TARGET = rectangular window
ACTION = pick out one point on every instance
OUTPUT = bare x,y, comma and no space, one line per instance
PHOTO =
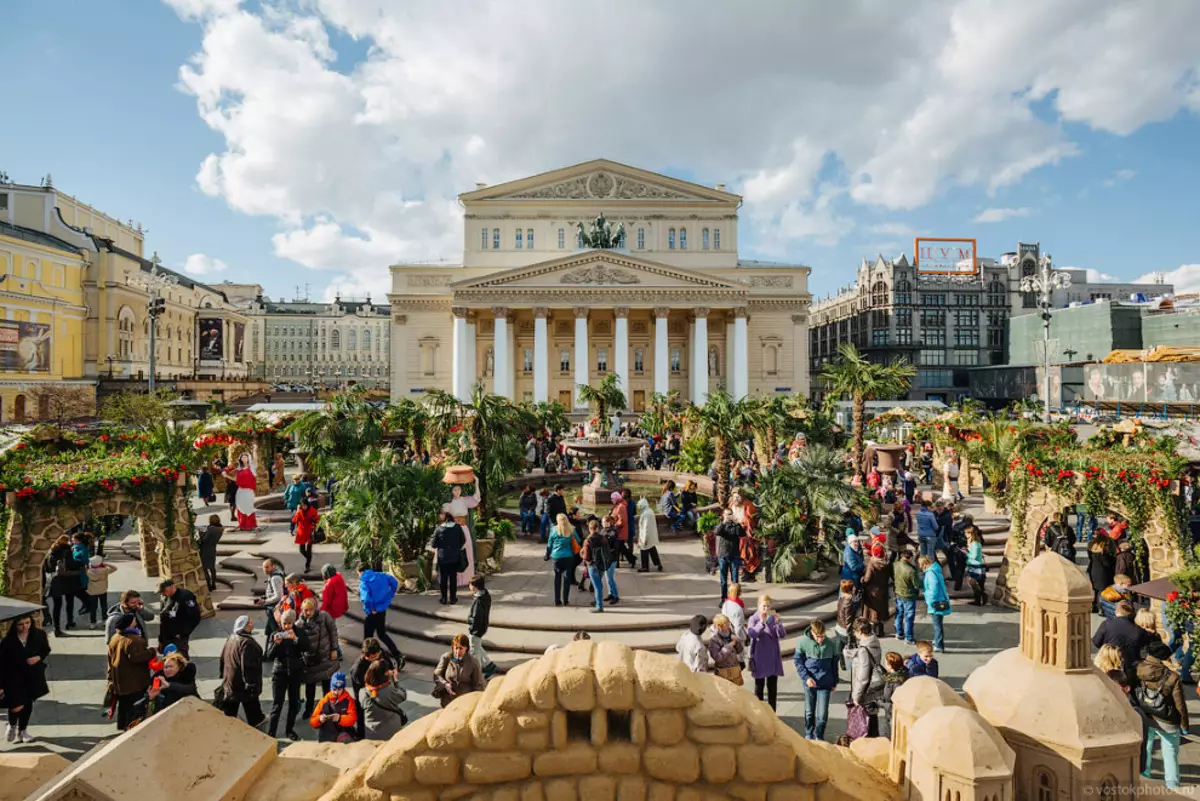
529,239
904,336
933,318
495,238
936,358
519,236
602,360
995,337
933,337
879,336
564,360
880,319
641,239
716,239
676,360
527,360
966,337
966,318
966,358
483,239
935,378
904,317
903,298
639,356
562,239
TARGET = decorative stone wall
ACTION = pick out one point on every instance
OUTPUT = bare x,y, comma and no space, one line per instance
597,720
1161,542
177,558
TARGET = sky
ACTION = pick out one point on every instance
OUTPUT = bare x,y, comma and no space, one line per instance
308,144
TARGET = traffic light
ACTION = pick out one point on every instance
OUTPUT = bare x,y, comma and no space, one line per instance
156,306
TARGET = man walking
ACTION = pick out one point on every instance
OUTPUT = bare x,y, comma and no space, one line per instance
477,624
180,616
908,589
240,670
376,590
274,594
927,530
816,661
729,543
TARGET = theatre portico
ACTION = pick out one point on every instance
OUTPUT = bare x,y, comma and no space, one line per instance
534,309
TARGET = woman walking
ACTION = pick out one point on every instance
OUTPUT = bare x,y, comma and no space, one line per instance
457,673
976,568
558,549
23,653
875,584
647,536
766,631
528,506
210,538
306,518
937,600
286,648
128,667
320,653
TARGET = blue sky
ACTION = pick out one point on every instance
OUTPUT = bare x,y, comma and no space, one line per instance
317,141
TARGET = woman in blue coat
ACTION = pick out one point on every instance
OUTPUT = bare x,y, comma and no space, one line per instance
937,600
852,559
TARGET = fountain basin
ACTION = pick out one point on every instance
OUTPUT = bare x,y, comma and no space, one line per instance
604,454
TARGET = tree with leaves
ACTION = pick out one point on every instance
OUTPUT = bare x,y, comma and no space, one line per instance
661,416
999,442
608,395
58,403
138,409
854,376
722,420
337,434
413,419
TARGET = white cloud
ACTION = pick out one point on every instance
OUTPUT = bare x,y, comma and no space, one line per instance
199,264
809,110
1120,176
894,229
1097,277
1000,215
1185,278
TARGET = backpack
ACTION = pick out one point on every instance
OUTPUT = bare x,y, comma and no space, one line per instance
1157,703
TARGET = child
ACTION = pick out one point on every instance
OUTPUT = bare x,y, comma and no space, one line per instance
1115,593
336,715
477,624
923,663
894,674
97,589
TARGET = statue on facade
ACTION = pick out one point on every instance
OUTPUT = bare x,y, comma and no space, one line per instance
602,236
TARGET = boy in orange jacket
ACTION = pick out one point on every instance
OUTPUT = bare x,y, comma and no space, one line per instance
336,715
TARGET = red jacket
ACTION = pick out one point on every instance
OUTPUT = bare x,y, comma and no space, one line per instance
333,597
306,523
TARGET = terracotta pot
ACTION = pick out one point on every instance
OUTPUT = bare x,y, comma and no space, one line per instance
889,458
459,474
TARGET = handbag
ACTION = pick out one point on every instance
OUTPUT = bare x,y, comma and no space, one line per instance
941,606
858,721
733,673
219,696
463,563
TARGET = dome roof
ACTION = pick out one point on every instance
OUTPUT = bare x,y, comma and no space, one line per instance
1050,577
920,694
1077,710
960,742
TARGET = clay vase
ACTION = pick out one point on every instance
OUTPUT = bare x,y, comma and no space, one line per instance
459,474
889,458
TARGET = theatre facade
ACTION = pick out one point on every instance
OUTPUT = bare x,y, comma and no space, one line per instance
548,297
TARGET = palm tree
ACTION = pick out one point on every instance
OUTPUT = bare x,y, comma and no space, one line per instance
853,376
487,432
608,395
662,413
722,420
548,416
339,432
413,419
999,441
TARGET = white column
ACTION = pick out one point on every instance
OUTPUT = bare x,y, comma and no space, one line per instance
460,384
501,366
700,357
739,357
398,357
472,367
727,373
800,365
662,365
513,357
581,353
541,358
621,352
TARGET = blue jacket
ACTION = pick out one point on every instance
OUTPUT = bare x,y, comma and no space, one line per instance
376,590
935,588
927,524
818,661
852,564
558,546
918,668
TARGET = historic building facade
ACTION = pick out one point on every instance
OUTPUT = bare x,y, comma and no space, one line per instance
534,310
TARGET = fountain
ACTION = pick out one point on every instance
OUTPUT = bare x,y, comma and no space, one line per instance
604,453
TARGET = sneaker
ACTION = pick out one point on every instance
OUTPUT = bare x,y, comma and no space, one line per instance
11,733
94,625
608,599
597,609
490,670
614,601
295,738
25,736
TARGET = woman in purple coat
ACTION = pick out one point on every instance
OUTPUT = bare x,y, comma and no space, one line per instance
766,665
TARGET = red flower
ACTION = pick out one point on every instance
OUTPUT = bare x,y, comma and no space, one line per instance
144,454
104,438
1172,597
20,446
26,492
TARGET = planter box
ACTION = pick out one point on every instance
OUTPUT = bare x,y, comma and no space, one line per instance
409,570
803,568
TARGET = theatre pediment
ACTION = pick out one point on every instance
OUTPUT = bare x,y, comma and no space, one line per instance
598,268
600,179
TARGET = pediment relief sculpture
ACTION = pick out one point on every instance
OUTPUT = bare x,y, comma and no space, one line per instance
600,186
600,274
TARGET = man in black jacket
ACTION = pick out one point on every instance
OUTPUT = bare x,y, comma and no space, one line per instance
1127,636
477,624
556,504
179,617
449,541
729,547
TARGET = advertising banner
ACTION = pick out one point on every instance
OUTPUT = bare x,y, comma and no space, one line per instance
211,338
25,346
1141,382
945,256
239,341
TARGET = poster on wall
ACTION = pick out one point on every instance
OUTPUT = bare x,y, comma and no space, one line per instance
239,340
212,340
25,346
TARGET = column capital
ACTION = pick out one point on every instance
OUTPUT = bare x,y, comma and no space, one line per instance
500,311
741,312
701,311
460,312
581,312
661,312
541,312
621,312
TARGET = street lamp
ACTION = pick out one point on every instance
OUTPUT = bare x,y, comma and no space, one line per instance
154,282
1044,282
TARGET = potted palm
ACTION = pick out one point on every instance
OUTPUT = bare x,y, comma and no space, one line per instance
608,396
854,376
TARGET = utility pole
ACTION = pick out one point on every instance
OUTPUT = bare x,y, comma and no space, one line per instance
154,282
1044,283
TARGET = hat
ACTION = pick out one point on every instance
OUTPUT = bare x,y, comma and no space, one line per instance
1159,650
874,530
615,497
170,649
96,561
162,585
241,623
877,552
338,682
127,621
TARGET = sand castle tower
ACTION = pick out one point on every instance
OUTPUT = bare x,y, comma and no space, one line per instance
954,754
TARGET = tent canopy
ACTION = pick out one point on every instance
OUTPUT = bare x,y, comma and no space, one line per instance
12,607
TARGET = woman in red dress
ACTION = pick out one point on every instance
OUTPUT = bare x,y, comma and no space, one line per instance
243,475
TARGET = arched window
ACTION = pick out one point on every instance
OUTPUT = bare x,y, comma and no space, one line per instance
641,239
1045,785
366,340
562,239
671,239
483,238
683,239
879,294
716,239
519,236
704,239
495,239
335,340
529,239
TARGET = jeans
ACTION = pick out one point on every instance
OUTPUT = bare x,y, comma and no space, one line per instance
1170,754
612,582
927,546
20,720
906,613
771,684
99,605
210,572
375,625
728,567
1183,654
563,568
939,634
597,577
448,580
544,535
816,712
481,656
528,522
677,519
271,626
283,687
1084,528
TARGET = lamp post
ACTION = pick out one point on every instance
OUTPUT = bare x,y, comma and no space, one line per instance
1044,282
154,281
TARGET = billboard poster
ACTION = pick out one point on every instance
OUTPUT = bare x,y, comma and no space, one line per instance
25,346
211,338
239,341
1142,382
945,256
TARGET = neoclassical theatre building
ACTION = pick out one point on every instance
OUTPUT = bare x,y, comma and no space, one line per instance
542,303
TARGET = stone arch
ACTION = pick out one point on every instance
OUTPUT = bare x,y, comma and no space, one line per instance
1162,545
31,530
599,720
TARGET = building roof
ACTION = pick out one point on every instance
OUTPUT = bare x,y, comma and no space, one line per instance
1161,353
1050,577
920,694
755,263
960,742
38,238
149,266
310,307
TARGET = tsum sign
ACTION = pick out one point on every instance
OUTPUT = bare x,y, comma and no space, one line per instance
945,256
